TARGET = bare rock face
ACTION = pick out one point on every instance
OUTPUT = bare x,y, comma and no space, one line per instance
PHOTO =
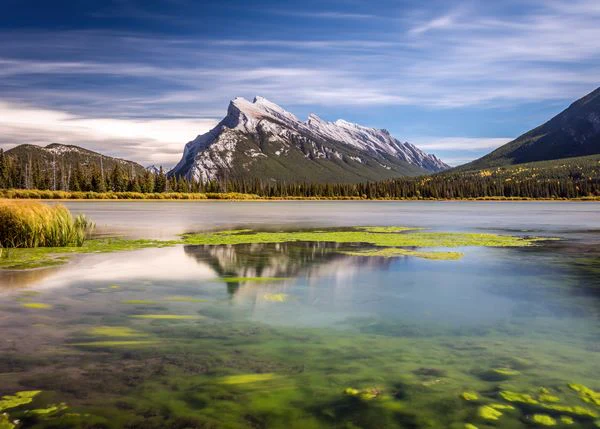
261,140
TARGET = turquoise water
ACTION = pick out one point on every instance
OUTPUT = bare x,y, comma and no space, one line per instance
300,335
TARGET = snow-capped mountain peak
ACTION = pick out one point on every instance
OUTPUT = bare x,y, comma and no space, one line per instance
259,132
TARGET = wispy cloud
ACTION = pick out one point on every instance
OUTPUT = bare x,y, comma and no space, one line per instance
472,55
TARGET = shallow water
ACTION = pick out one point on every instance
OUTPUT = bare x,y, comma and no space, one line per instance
187,337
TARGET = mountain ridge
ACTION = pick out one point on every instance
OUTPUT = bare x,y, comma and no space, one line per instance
573,132
262,140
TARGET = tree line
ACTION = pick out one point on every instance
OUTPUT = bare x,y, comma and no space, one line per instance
568,180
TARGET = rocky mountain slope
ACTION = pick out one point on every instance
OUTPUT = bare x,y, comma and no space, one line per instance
573,132
261,140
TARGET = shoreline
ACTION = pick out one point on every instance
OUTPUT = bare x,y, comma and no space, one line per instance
47,195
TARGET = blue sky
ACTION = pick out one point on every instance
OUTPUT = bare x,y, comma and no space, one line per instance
140,78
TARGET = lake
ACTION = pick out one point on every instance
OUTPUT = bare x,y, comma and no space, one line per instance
311,334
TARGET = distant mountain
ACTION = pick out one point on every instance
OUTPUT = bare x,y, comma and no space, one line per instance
573,132
261,140
66,156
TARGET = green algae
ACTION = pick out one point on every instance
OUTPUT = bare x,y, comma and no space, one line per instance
488,413
408,239
138,302
390,236
502,407
115,343
508,372
166,316
543,420
385,229
574,410
523,398
394,252
27,258
5,422
469,396
275,297
48,411
566,420
586,394
252,279
18,399
115,331
36,305
548,397
247,378
366,394
181,298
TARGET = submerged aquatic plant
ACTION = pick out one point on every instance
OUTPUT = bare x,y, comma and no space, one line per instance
36,305
523,398
586,394
470,396
409,239
252,279
117,343
247,378
488,413
275,297
394,252
365,394
166,316
543,419
115,331
18,399
33,224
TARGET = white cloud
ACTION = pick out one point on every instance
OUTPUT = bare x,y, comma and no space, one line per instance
147,141
461,143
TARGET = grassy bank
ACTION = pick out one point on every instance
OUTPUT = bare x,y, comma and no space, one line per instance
30,224
234,196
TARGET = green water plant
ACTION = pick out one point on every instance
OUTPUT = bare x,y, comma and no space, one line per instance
275,297
247,378
543,420
586,394
408,239
166,316
19,398
573,410
115,343
252,279
48,411
115,331
36,305
523,398
180,298
5,422
566,420
366,394
488,413
469,396
138,302
395,252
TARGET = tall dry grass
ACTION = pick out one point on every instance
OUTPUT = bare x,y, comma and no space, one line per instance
33,224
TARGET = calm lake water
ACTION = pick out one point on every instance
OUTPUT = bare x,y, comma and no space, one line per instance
299,335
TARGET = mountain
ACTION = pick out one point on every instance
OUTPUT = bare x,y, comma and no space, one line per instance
573,132
66,156
261,140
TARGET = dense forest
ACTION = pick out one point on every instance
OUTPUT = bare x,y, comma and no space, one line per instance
566,178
